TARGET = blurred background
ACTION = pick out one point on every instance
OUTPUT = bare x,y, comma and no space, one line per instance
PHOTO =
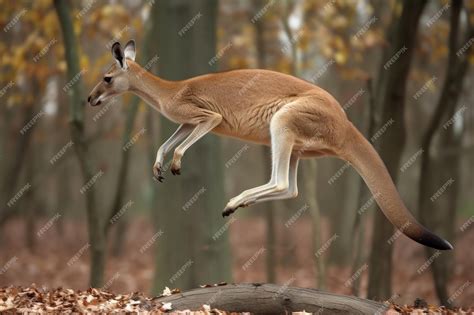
79,207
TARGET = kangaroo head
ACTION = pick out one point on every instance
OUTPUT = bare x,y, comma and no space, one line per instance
117,79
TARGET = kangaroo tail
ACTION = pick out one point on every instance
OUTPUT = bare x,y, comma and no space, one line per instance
363,157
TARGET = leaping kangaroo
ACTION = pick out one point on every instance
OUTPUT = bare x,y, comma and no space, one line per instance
296,118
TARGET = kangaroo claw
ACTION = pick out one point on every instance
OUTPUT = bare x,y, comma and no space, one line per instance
228,211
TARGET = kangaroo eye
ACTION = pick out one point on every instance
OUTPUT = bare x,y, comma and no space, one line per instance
108,79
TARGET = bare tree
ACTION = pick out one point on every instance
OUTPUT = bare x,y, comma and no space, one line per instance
358,230
76,114
144,56
189,204
10,180
430,180
270,217
390,102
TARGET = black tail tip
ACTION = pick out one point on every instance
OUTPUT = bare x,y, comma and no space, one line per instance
437,243
446,245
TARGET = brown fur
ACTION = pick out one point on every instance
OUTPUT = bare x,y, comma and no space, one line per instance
296,118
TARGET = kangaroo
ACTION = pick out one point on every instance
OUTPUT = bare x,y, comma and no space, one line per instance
295,118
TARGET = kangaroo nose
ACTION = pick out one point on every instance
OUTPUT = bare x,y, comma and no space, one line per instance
89,99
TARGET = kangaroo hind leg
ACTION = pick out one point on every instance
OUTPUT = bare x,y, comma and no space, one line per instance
279,185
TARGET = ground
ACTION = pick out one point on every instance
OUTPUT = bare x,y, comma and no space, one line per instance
47,266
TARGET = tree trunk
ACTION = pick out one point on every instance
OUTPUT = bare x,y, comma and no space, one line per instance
190,204
360,221
271,299
390,99
143,57
13,173
28,205
310,189
76,113
118,196
270,240
436,214
119,238
152,124
446,224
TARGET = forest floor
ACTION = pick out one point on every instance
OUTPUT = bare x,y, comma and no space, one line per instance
15,300
47,265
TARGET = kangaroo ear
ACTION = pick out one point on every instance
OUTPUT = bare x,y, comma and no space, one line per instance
129,50
118,55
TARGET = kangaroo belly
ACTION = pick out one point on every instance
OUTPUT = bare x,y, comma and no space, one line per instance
257,135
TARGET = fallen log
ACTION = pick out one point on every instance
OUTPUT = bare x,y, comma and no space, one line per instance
270,299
